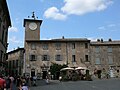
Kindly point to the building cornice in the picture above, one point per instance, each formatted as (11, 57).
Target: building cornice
(60, 40)
(16, 50)
(105, 43)
(5, 9)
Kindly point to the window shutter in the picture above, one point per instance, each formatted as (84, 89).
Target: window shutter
(42, 57)
(30, 58)
(48, 57)
(61, 57)
(56, 57)
(35, 57)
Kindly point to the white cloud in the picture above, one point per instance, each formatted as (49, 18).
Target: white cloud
(92, 39)
(14, 40)
(54, 13)
(102, 28)
(111, 25)
(76, 7)
(13, 29)
(80, 7)
(108, 27)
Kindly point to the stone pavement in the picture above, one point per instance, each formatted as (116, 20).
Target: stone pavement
(109, 84)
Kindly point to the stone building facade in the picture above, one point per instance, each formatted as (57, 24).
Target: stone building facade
(41, 53)
(15, 62)
(105, 55)
(5, 22)
(97, 56)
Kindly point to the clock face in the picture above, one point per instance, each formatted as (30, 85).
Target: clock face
(33, 26)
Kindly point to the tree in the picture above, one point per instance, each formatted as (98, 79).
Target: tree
(55, 69)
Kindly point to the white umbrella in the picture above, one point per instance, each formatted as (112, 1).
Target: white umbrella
(82, 68)
(68, 68)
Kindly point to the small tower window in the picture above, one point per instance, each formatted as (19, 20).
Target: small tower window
(73, 45)
(33, 46)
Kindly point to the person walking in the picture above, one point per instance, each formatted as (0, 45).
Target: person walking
(2, 83)
(18, 82)
(47, 80)
(34, 80)
(8, 83)
(28, 81)
(24, 87)
(12, 82)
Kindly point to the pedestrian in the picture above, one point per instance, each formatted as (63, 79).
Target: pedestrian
(28, 81)
(31, 81)
(24, 87)
(47, 80)
(60, 78)
(2, 83)
(18, 82)
(8, 83)
(34, 80)
(12, 82)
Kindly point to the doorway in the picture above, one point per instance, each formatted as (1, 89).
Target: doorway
(44, 74)
(99, 73)
(32, 72)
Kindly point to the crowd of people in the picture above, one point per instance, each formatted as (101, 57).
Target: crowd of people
(22, 83)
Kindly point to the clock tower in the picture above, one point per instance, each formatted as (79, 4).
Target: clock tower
(32, 28)
(32, 33)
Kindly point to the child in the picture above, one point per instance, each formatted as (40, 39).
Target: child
(47, 80)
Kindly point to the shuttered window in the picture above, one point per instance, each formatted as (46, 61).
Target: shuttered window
(58, 57)
(33, 57)
(45, 58)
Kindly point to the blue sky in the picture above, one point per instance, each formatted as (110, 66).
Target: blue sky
(92, 19)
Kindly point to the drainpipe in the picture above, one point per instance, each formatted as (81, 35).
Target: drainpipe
(24, 65)
(67, 54)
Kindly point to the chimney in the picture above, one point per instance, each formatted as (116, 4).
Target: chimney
(110, 40)
(63, 37)
(98, 40)
(101, 40)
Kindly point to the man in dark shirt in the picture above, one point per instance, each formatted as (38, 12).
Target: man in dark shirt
(8, 83)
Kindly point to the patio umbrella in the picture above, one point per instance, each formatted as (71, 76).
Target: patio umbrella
(68, 68)
(81, 68)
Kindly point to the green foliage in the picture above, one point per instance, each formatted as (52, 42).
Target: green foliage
(54, 68)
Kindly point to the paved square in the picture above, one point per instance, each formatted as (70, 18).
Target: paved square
(110, 84)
